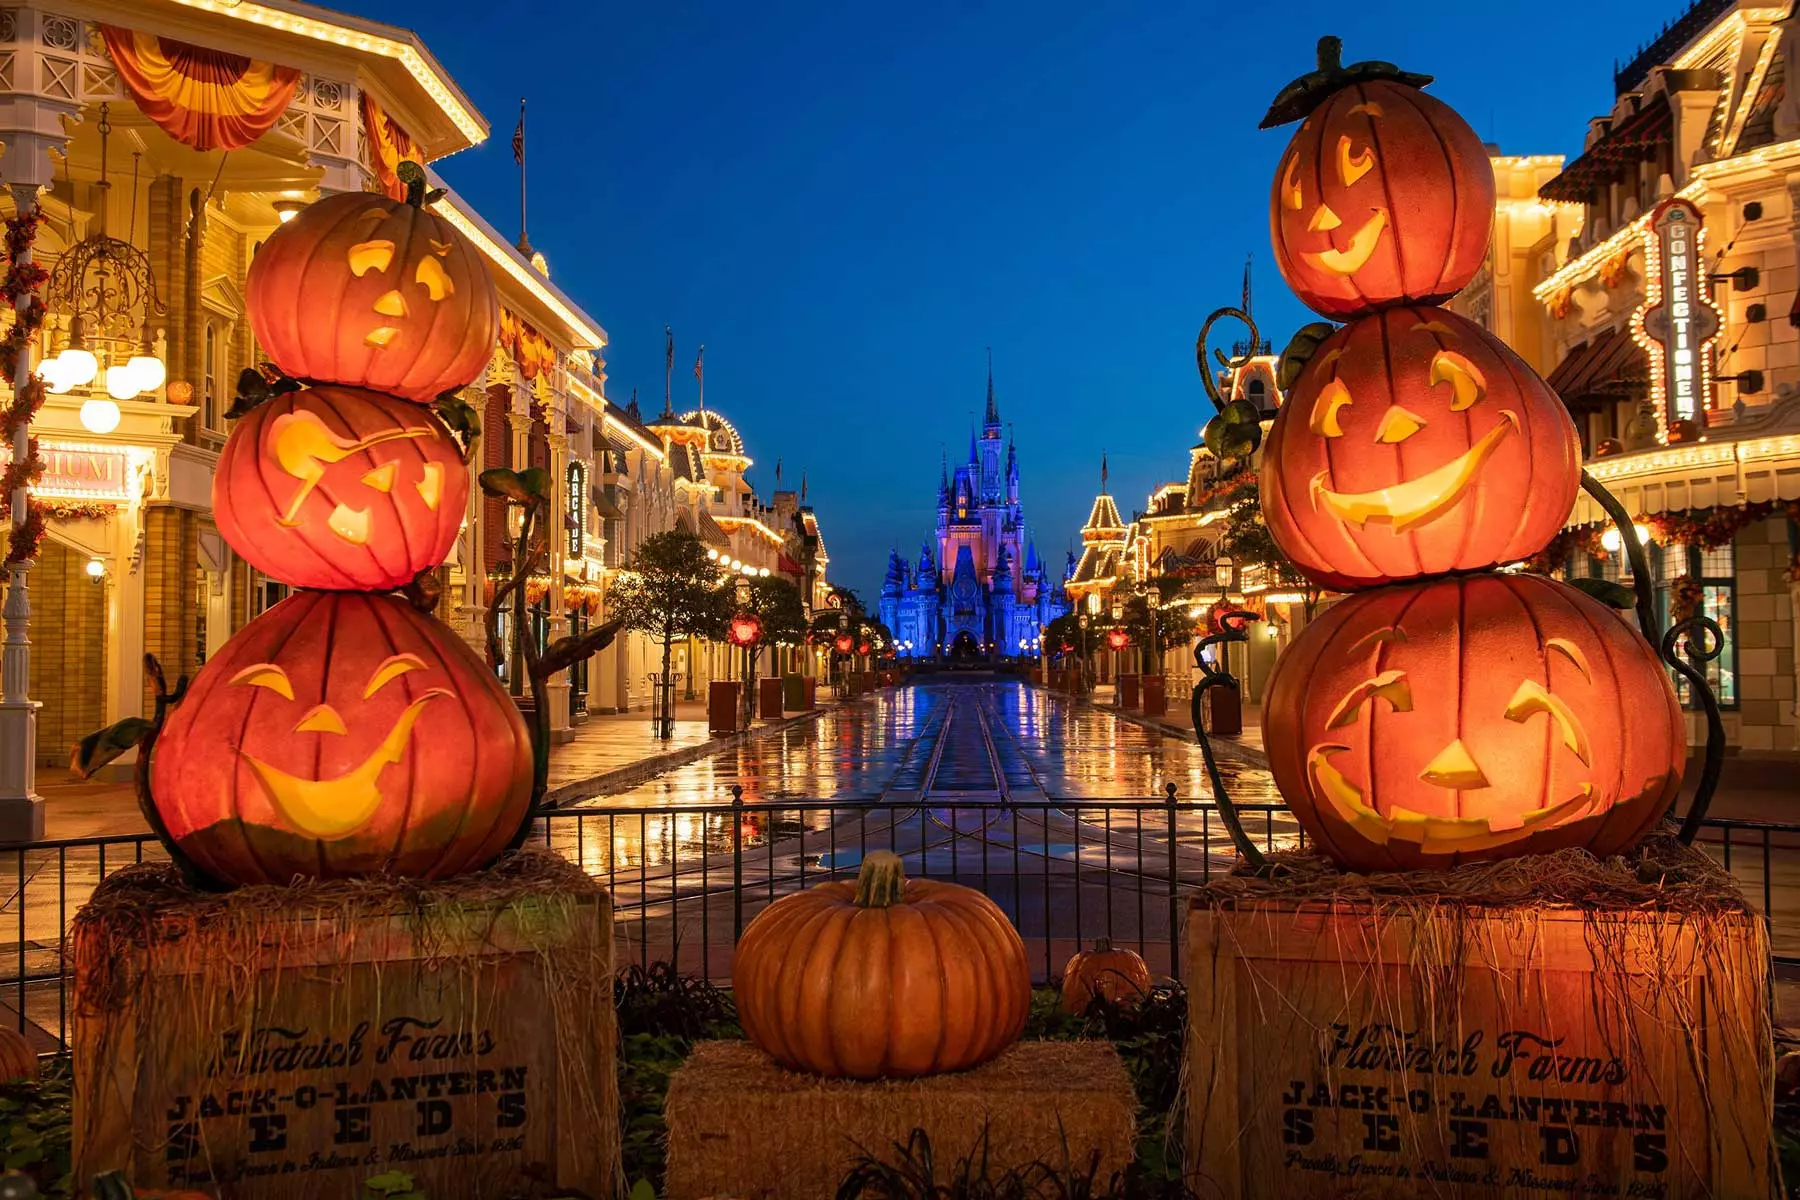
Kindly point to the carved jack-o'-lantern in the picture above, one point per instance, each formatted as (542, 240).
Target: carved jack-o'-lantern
(342, 734)
(334, 487)
(1479, 717)
(1416, 443)
(363, 290)
(1384, 196)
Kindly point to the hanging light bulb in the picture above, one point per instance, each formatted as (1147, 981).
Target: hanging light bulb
(79, 366)
(121, 381)
(51, 372)
(147, 369)
(99, 415)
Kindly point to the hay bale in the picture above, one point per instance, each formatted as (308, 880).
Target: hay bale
(278, 1042)
(1540, 1026)
(741, 1126)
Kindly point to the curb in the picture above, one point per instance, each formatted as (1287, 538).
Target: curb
(621, 778)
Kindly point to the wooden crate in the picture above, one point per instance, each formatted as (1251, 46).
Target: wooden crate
(741, 1126)
(1515, 1051)
(458, 1031)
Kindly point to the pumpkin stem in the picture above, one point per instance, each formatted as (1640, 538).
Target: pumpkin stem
(1331, 53)
(881, 881)
(1102, 945)
(413, 176)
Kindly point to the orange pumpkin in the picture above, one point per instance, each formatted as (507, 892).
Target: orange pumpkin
(1416, 443)
(1384, 196)
(18, 1061)
(1479, 717)
(364, 290)
(336, 487)
(1115, 973)
(886, 978)
(343, 734)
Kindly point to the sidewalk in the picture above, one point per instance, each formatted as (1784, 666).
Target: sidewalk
(608, 753)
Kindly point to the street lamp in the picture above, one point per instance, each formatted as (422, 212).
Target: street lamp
(1222, 572)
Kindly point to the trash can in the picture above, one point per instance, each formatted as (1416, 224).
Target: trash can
(722, 706)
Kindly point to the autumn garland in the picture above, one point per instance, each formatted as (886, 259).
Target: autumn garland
(22, 282)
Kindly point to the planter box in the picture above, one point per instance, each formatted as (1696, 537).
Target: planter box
(794, 694)
(1522, 1049)
(288, 1043)
(811, 693)
(769, 699)
(741, 1126)
(722, 706)
(1128, 692)
(1156, 699)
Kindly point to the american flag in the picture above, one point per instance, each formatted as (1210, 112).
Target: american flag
(518, 142)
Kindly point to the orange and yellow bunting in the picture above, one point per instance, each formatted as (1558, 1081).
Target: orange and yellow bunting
(389, 146)
(202, 98)
(528, 347)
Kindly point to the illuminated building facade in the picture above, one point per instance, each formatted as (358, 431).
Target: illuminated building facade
(983, 592)
(1652, 281)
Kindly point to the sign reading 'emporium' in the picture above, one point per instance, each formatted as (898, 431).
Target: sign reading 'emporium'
(1680, 319)
(78, 471)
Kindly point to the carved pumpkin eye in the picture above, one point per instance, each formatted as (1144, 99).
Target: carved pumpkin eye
(1468, 386)
(377, 256)
(431, 485)
(1290, 185)
(1391, 686)
(1332, 397)
(1532, 698)
(438, 284)
(390, 670)
(265, 675)
(1351, 166)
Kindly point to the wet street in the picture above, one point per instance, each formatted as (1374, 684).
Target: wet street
(1057, 810)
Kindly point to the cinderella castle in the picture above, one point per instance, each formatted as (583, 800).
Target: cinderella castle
(983, 593)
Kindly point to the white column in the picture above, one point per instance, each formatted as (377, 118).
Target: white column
(470, 607)
(556, 543)
(21, 808)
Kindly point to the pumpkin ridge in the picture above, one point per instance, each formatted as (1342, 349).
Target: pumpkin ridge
(769, 987)
(983, 1019)
(331, 398)
(311, 601)
(809, 976)
(1544, 795)
(1005, 950)
(264, 464)
(1678, 728)
(939, 961)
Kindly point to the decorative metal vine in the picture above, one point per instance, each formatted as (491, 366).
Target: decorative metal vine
(1233, 627)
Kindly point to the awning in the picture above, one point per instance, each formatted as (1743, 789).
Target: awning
(606, 502)
(788, 566)
(1637, 139)
(1610, 367)
(711, 534)
(1710, 474)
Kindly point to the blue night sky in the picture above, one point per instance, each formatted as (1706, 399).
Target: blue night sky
(847, 202)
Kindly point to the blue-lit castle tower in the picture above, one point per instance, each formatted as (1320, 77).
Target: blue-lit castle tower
(984, 592)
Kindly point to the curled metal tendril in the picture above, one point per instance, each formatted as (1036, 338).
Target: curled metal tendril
(1233, 627)
(1687, 647)
(1226, 363)
(1685, 653)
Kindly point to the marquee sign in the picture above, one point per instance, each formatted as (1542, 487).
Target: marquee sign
(80, 471)
(577, 513)
(1679, 320)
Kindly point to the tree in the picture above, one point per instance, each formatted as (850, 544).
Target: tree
(670, 591)
(1172, 626)
(775, 603)
(1066, 631)
(1245, 539)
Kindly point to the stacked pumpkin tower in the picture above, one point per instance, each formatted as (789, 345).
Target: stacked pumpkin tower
(347, 731)
(1446, 711)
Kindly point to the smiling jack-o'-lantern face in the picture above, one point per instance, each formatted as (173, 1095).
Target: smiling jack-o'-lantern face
(1385, 196)
(363, 290)
(333, 487)
(1415, 443)
(342, 734)
(1472, 718)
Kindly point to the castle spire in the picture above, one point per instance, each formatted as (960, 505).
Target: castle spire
(991, 422)
(1103, 472)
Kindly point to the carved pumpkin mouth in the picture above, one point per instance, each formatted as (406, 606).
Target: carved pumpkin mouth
(328, 809)
(1433, 835)
(1353, 257)
(1416, 501)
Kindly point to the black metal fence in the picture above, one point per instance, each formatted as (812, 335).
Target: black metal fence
(685, 880)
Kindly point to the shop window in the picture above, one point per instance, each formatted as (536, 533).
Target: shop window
(209, 375)
(1716, 572)
(268, 593)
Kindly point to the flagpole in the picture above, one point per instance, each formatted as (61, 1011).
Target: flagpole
(518, 146)
(669, 371)
(700, 376)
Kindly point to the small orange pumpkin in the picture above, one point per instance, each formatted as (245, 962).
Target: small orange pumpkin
(886, 978)
(18, 1061)
(1117, 974)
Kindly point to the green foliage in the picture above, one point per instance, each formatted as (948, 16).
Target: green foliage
(1616, 595)
(392, 1185)
(776, 602)
(912, 1171)
(1245, 538)
(662, 1013)
(1173, 626)
(671, 590)
(1299, 352)
(35, 1134)
(1064, 631)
